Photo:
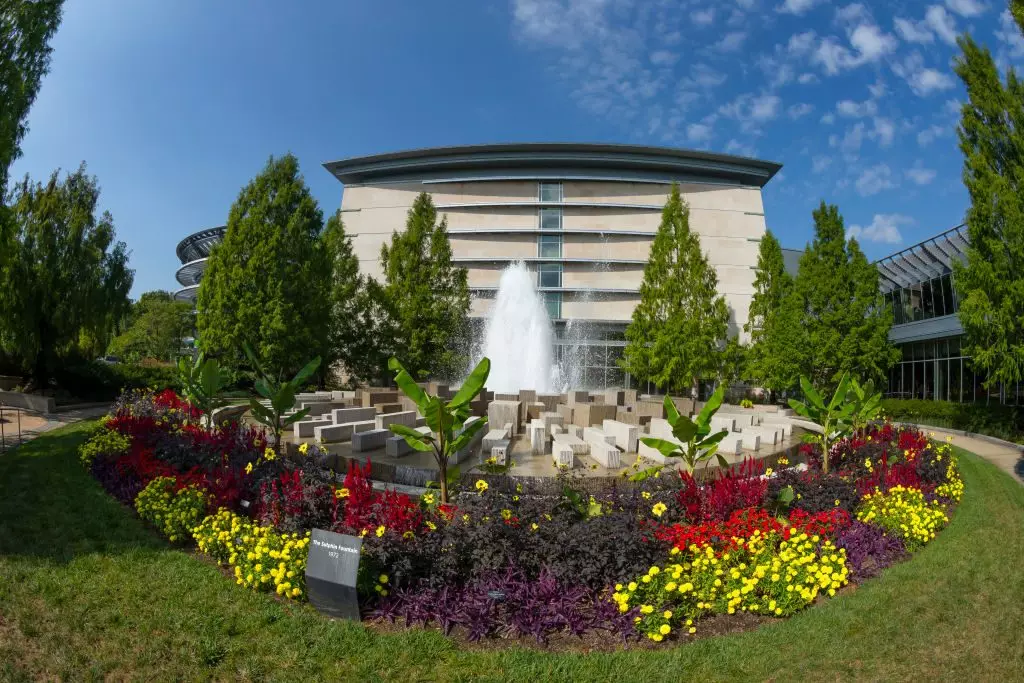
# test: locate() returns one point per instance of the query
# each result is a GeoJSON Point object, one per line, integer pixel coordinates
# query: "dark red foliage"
{"type": "Point", "coordinates": [368, 509]}
{"type": "Point", "coordinates": [734, 489]}
{"type": "Point", "coordinates": [828, 523]}
{"type": "Point", "coordinates": [168, 400]}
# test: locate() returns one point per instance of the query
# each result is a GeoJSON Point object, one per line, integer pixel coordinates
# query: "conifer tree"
{"type": "Point", "coordinates": [268, 282]}
{"type": "Point", "coordinates": [679, 328]}
{"type": "Point", "coordinates": [774, 322]}
{"type": "Point", "coordinates": [990, 284]}
{"type": "Point", "coordinates": [845, 319]}
{"type": "Point", "coordinates": [425, 295]}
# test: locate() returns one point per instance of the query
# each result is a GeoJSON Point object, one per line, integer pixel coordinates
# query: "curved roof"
{"type": "Point", "coordinates": [554, 158]}
{"type": "Point", "coordinates": [198, 244]}
{"type": "Point", "coordinates": [926, 260]}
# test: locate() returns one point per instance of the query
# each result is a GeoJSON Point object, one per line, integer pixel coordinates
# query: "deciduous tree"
{"type": "Point", "coordinates": [157, 327]}
{"type": "Point", "coordinates": [679, 327]}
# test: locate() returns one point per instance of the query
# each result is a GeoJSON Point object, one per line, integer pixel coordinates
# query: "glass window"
{"type": "Point", "coordinates": [549, 246]}
{"type": "Point", "coordinates": [549, 275]}
{"type": "Point", "coordinates": [927, 304]}
{"type": "Point", "coordinates": [955, 374]}
{"type": "Point", "coordinates": [553, 302]}
{"type": "Point", "coordinates": [947, 294]}
{"type": "Point", "coordinates": [954, 347]}
{"type": "Point", "coordinates": [940, 306]}
{"type": "Point", "coordinates": [915, 302]}
{"type": "Point", "coordinates": [550, 192]}
{"type": "Point", "coordinates": [551, 219]}
{"type": "Point", "coordinates": [897, 307]}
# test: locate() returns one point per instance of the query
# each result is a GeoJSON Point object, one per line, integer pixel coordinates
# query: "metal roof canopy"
{"type": "Point", "coordinates": [547, 155]}
{"type": "Point", "coordinates": [197, 245]}
{"type": "Point", "coordinates": [923, 261]}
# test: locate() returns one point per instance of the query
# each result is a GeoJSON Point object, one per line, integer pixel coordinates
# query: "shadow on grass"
{"type": "Point", "coordinates": [51, 508]}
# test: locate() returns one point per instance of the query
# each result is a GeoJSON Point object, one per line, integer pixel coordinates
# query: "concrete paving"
{"type": "Point", "coordinates": [1008, 458]}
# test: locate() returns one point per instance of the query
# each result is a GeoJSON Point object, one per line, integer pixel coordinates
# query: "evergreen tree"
{"type": "Point", "coordinates": [774, 322]}
{"type": "Point", "coordinates": [268, 282]}
{"type": "Point", "coordinates": [425, 295]}
{"type": "Point", "coordinates": [845, 320]}
{"type": "Point", "coordinates": [990, 284]}
{"type": "Point", "coordinates": [679, 327]}
{"type": "Point", "coordinates": [357, 340]}
{"type": "Point", "coordinates": [66, 275]}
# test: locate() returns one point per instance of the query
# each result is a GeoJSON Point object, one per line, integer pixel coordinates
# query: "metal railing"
{"type": "Point", "coordinates": [5, 411]}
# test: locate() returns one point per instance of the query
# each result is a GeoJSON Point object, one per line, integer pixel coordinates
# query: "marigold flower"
{"type": "Point", "coordinates": [481, 485]}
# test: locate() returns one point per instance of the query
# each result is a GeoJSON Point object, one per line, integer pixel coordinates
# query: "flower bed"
{"type": "Point", "coordinates": [649, 559]}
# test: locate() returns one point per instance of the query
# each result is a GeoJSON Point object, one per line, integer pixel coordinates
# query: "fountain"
{"type": "Point", "coordinates": [518, 336]}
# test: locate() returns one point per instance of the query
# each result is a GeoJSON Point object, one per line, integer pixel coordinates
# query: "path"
{"type": "Point", "coordinates": [34, 424]}
{"type": "Point", "coordinates": [1009, 459]}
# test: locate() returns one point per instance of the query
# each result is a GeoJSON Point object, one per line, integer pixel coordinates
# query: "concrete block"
{"type": "Point", "coordinates": [574, 397]}
{"type": "Point", "coordinates": [370, 440]}
{"type": "Point", "coordinates": [566, 411]}
{"type": "Point", "coordinates": [732, 444]}
{"type": "Point", "coordinates": [744, 420]}
{"type": "Point", "coordinates": [685, 406]}
{"type": "Point", "coordinates": [720, 422]}
{"type": "Point", "coordinates": [504, 412]}
{"type": "Point", "coordinates": [751, 442]}
{"type": "Point", "coordinates": [494, 437]}
{"type": "Point", "coordinates": [551, 418]}
{"type": "Point", "coordinates": [342, 415]}
{"type": "Point", "coordinates": [338, 396]}
{"type": "Point", "coordinates": [385, 408]}
{"type": "Point", "coordinates": [304, 429]}
{"type": "Point", "coordinates": [500, 453]}
{"type": "Point", "coordinates": [506, 397]}
{"type": "Point", "coordinates": [564, 455]}
{"type": "Point", "coordinates": [605, 455]}
{"type": "Point", "coordinates": [439, 389]}
{"type": "Point", "coordinates": [470, 447]}
{"type": "Point", "coordinates": [405, 417]}
{"type": "Point", "coordinates": [397, 446]}
{"type": "Point", "coordinates": [615, 397]}
{"type": "Point", "coordinates": [629, 397]}
{"type": "Point", "coordinates": [575, 430]}
{"type": "Point", "coordinates": [556, 429]}
{"type": "Point", "coordinates": [538, 437]}
{"type": "Point", "coordinates": [649, 408]}
{"type": "Point", "coordinates": [579, 446]}
{"type": "Point", "coordinates": [533, 410]}
{"type": "Point", "coordinates": [372, 397]}
{"type": "Point", "coordinates": [592, 414]}
{"type": "Point", "coordinates": [596, 435]}
{"type": "Point", "coordinates": [660, 428]}
{"type": "Point", "coordinates": [341, 432]}
{"type": "Point", "coordinates": [767, 435]}
{"type": "Point", "coordinates": [625, 436]}
{"type": "Point", "coordinates": [550, 401]}
{"type": "Point", "coordinates": [528, 396]}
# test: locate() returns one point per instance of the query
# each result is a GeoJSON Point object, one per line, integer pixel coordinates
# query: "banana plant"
{"type": "Point", "coordinates": [867, 405]}
{"type": "Point", "coordinates": [280, 396]}
{"type": "Point", "coordinates": [833, 417]}
{"type": "Point", "coordinates": [698, 443]}
{"type": "Point", "coordinates": [201, 382]}
{"type": "Point", "coordinates": [449, 432]}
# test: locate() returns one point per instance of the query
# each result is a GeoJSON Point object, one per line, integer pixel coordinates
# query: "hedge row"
{"type": "Point", "coordinates": [1002, 422]}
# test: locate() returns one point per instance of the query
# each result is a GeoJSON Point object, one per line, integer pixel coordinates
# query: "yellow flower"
{"type": "Point", "coordinates": [380, 531]}
{"type": "Point", "coordinates": [248, 468]}
{"type": "Point", "coordinates": [408, 535]}
{"type": "Point", "coordinates": [659, 509]}
{"type": "Point", "coordinates": [534, 526]}
{"type": "Point", "coordinates": [431, 525]}
{"type": "Point", "coordinates": [342, 493]}
{"type": "Point", "coordinates": [428, 498]}
{"type": "Point", "coordinates": [481, 485]}
{"type": "Point", "coordinates": [665, 628]}
{"type": "Point", "coordinates": [646, 495]}
{"type": "Point", "coordinates": [383, 578]}
{"type": "Point", "coordinates": [768, 472]}
{"type": "Point", "coordinates": [867, 463]}
{"type": "Point", "coordinates": [304, 448]}
{"type": "Point", "coordinates": [837, 502]}
{"type": "Point", "coordinates": [269, 454]}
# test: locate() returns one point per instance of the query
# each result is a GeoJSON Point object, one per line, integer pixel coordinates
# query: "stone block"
{"type": "Point", "coordinates": [556, 429]}
{"type": "Point", "coordinates": [405, 417]}
{"type": "Point", "coordinates": [500, 453]}
{"type": "Point", "coordinates": [629, 397]}
{"type": "Point", "coordinates": [338, 396]}
{"type": "Point", "coordinates": [341, 432]}
{"type": "Point", "coordinates": [751, 441]}
{"type": "Point", "coordinates": [478, 407]}
{"type": "Point", "coordinates": [506, 397]}
{"type": "Point", "coordinates": [592, 414]}
{"type": "Point", "coordinates": [397, 446]}
{"type": "Point", "coordinates": [384, 408]}
{"type": "Point", "coordinates": [625, 436]}
{"type": "Point", "coordinates": [439, 389]}
{"type": "Point", "coordinates": [660, 428]}
{"type": "Point", "coordinates": [744, 420]}
{"type": "Point", "coordinates": [649, 408]}
{"type": "Point", "coordinates": [685, 406]}
{"type": "Point", "coordinates": [615, 397]}
{"type": "Point", "coordinates": [605, 455]}
{"type": "Point", "coordinates": [566, 411]}
{"type": "Point", "coordinates": [597, 435]}
{"type": "Point", "coordinates": [538, 438]}
{"type": "Point", "coordinates": [563, 455]}
{"type": "Point", "coordinates": [720, 422]}
{"type": "Point", "coordinates": [731, 444]}
{"type": "Point", "coordinates": [579, 446]}
{"type": "Point", "coordinates": [493, 438]}
{"type": "Point", "coordinates": [533, 410]}
{"type": "Point", "coordinates": [504, 412]}
{"type": "Point", "coordinates": [304, 429]}
{"type": "Point", "coordinates": [370, 440]}
{"type": "Point", "coordinates": [767, 435]}
{"type": "Point", "coordinates": [551, 418]}
{"type": "Point", "coordinates": [550, 401]}
{"type": "Point", "coordinates": [574, 397]}
{"type": "Point", "coordinates": [528, 396]}
{"type": "Point", "coordinates": [316, 408]}
{"type": "Point", "coordinates": [575, 430]}
{"type": "Point", "coordinates": [463, 453]}
{"type": "Point", "coordinates": [343, 415]}
{"type": "Point", "coordinates": [372, 397]}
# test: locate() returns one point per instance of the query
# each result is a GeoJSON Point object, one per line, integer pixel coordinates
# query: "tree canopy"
{"type": "Point", "coordinates": [156, 327]}
{"type": "Point", "coordinates": [426, 297]}
{"type": "Point", "coordinates": [66, 275]}
{"type": "Point", "coordinates": [774, 323]}
{"type": "Point", "coordinates": [268, 282]}
{"type": "Point", "coordinates": [679, 328]}
{"type": "Point", "coordinates": [990, 284]}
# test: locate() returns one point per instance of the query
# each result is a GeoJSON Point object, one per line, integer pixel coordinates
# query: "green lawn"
{"type": "Point", "coordinates": [87, 592]}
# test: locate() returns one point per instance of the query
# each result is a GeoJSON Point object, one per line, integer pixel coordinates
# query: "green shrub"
{"type": "Point", "coordinates": [174, 513]}
{"type": "Point", "coordinates": [79, 380]}
{"type": "Point", "coordinates": [106, 443]}
{"type": "Point", "coordinates": [1002, 422]}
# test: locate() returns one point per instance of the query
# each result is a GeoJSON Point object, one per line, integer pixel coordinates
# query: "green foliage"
{"type": "Point", "coordinates": [80, 379]}
{"type": "Point", "coordinates": [777, 343]}
{"type": "Point", "coordinates": [26, 27]}
{"type": "Point", "coordinates": [280, 396]}
{"type": "Point", "coordinates": [356, 333]}
{"type": "Point", "coordinates": [202, 383]}
{"type": "Point", "coordinates": [66, 274]}
{"type": "Point", "coordinates": [845, 322]}
{"type": "Point", "coordinates": [698, 443]}
{"type": "Point", "coordinates": [990, 284]}
{"type": "Point", "coordinates": [1002, 422]}
{"type": "Point", "coordinates": [105, 443]}
{"type": "Point", "coordinates": [425, 295]}
{"type": "Point", "coordinates": [833, 417]}
{"type": "Point", "coordinates": [746, 403]}
{"type": "Point", "coordinates": [268, 283]}
{"type": "Point", "coordinates": [174, 512]}
{"type": "Point", "coordinates": [157, 327]}
{"type": "Point", "coordinates": [679, 327]}
{"type": "Point", "coordinates": [867, 405]}
{"type": "Point", "coordinates": [449, 432]}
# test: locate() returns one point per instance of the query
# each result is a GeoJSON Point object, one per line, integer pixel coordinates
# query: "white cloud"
{"type": "Point", "coordinates": [795, 6]}
{"type": "Point", "coordinates": [741, 148]}
{"type": "Point", "coordinates": [884, 228]}
{"type": "Point", "coordinates": [1010, 36]}
{"type": "Point", "coordinates": [801, 43]}
{"type": "Point", "coordinates": [704, 76]}
{"type": "Point", "coordinates": [874, 180]}
{"type": "Point", "coordinates": [849, 144]}
{"type": "Point", "coordinates": [807, 78]}
{"type": "Point", "coordinates": [751, 110]}
{"type": "Point", "coordinates": [941, 23]}
{"type": "Point", "coordinates": [698, 132]}
{"type": "Point", "coordinates": [878, 89]}
{"type": "Point", "coordinates": [746, 4]}
{"type": "Point", "coordinates": [764, 107]}
{"type": "Point", "coordinates": [932, 133]}
{"type": "Point", "coordinates": [854, 13]}
{"type": "Point", "coordinates": [919, 174]}
{"type": "Point", "coordinates": [828, 119]}
{"type": "Point", "coordinates": [966, 8]}
{"type": "Point", "coordinates": [819, 163]}
{"type": "Point", "coordinates": [852, 109]}
{"type": "Point", "coordinates": [913, 31]}
{"type": "Point", "coordinates": [872, 43]}
{"type": "Point", "coordinates": [884, 132]}
{"type": "Point", "coordinates": [663, 58]}
{"type": "Point", "coordinates": [703, 17]}
{"type": "Point", "coordinates": [732, 41]}
{"type": "Point", "coordinates": [832, 56]}
{"type": "Point", "coordinates": [797, 111]}
{"type": "Point", "coordinates": [952, 107]}
{"type": "Point", "coordinates": [922, 80]}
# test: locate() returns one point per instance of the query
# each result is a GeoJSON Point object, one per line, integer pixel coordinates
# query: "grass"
{"type": "Point", "coordinates": [87, 592]}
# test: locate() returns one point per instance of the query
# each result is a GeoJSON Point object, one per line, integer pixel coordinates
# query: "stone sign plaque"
{"type": "Point", "coordinates": [331, 572]}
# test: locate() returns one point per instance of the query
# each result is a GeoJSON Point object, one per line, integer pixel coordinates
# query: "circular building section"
{"type": "Point", "coordinates": [193, 252]}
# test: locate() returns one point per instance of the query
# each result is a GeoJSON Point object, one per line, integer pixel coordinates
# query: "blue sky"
{"type": "Point", "coordinates": [176, 105]}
